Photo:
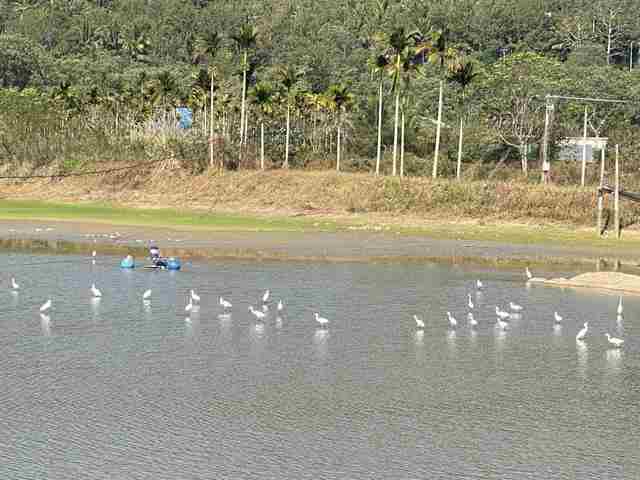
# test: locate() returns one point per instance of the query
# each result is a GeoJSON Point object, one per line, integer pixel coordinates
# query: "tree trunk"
{"type": "Point", "coordinates": [402, 146]}
{"type": "Point", "coordinates": [262, 145]}
{"type": "Point", "coordinates": [338, 151]}
{"type": "Point", "coordinates": [523, 158]}
{"type": "Point", "coordinates": [395, 130]}
{"type": "Point", "coordinates": [379, 152]}
{"type": "Point", "coordinates": [244, 93]}
{"type": "Point", "coordinates": [211, 128]}
{"type": "Point", "coordinates": [609, 33]}
{"type": "Point", "coordinates": [286, 148]}
{"type": "Point", "coordinates": [434, 173]}
{"type": "Point", "coordinates": [459, 165]}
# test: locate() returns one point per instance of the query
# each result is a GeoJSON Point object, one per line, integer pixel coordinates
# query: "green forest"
{"type": "Point", "coordinates": [447, 88]}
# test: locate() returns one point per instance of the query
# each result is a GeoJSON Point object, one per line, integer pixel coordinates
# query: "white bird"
{"type": "Point", "coordinates": [452, 321]}
{"type": "Point", "coordinates": [583, 332]}
{"type": "Point", "coordinates": [529, 274]}
{"type": "Point", "coordinates": [265, 296]}
{"type": "Point", "coordinates": [620, 309]}
{"type": "Point", "coordinates": [146, 295]}
{"type": "Point", "coordinates": [419, 322]}
{"type": "Point", "coordinates": [470, 302]}
{"type": "Point", "coordinates": [94, 253]}
{"type": "Point", "coordinates": [321, 320]}
{"type": "Point", "coordinates": [502, 324]}
{"type": "Point", "coordinates": [502, 313]}
{"type": "Point", "coordinates": [280, 305]}
{"type": "Point", "coordinates": [479, 285]}
{"type": "Point", "coordinates": [194, 296]}
{"type": "Point", "coordinates": [189, 305]}
{"type": "Point", "coordinates": [46, 306]}
{"type": "Point", "coordinates": [14, 284]}
{"type": "Point", "coordinates": [95, 292]}
{"type": "Point", "coordinates": [265, 308]}
{"type": "Point", "coordinates": [616, 342]}
{"type": "Point", "coordinates": [257, 313]}
{"type": "Point", "coordinates": [515, 307]}
{"type": "Point", "coordinates": [557, 317]}
{"type": "Point", "coordinates": [225, 304]}
{"type": "Point", "coordinates": [472, 321]}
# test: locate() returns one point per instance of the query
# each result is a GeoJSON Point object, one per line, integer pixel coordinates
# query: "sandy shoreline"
{"type": "Point", "coordinates": [315, 246]}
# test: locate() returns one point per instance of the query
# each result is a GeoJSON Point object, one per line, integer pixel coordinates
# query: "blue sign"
{"type": "Point", "coordinates": [185, 116]}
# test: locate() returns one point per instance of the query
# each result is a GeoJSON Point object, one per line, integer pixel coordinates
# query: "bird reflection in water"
{"type": "Point", "coordinates": [45, 324]}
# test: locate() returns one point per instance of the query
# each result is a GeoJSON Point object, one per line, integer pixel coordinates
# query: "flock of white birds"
{"type": "Point", "coordinates": [502, 316]}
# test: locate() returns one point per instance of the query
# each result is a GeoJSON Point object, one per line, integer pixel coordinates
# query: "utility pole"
{"type": "Point", "coordinates": [631, 57]}
{"type": "Point", "coordinates": [616, 196]}
{"type": "Point", "coordinates": [545, 139]}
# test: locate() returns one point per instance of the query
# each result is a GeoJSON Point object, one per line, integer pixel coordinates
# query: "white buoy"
{"type": "Point", "coordinates": [15, 285]}
{"type": "Point", "coordinates": [257, 313]}
{"type": "Point", "coordinates": [613, 341]}
{"type": "Point", "coordinates": [452, 321]}
{"type": "Point", "coordinates": [419, 322]}
{"type": "Point", "coordinates": [95, 292]}
{"type": "Point", "coordinates": [583, 332]}
{"type": "Point", "coordinates": [46, 306]}
{"type": "Point", "coordinates": [321, 320]}
{"type": "Point", "coordinates": [515, 307]}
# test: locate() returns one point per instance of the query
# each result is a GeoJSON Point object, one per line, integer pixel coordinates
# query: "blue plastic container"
{"type": "Point", "coordinates": [128, 262]}
{"type": "Point", "coordinates": [173, 264]}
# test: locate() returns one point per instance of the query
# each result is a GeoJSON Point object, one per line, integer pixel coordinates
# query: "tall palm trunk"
{"type": "Point", "coordinates": [434, 173]}
{"type": "Point", "coordinates": [395, 131]}
{"type": "Point", "coordinates": [211, 127]}
{"type": "Point", "coordinates": [338, 151]}
{"type": "Point", "coordinates": [244, 94]}
{"type": "Point", "coordinates": [262, 145]}
{"type": "Point", "coordinates": [286, 149]}
{"type": "Point", "coordinates": [402, 146]}
{"type": "Point", "coordinates": [379, 152]}
{"type": "Point", "coordinates": [459, 165]}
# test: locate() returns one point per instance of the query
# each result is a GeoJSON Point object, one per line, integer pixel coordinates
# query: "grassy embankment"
{"type": "Point", "coordinates": [294, 201]}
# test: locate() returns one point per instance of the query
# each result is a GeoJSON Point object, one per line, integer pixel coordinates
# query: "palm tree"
{"type": "Point", "coordinates": [461, 73]}
{"type": "Point", "coordinates": [263, 95]}
{"type": "Point", "coordinates": [439, 54]}
{"type": "Point", "coordinates": [400, 43]}
{"type": "Point", "coordinates": [342, 100]}
{"type": "Point", "coordinates": [289, 78]}
{"type": "Point", "coordinates": [245, 40]}
{"type": "Point", "coordinates": [379, 65]}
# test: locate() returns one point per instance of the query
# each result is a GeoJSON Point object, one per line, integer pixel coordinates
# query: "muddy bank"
{"type": "Point", "coordinates": [614, 281]}
{"type": "Point", "coordinates": [74, 237]}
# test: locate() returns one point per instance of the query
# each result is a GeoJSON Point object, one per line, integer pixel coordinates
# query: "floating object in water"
{"type": "Point", "coordinates": [557, 317]}
{"type": "Point", "coordinates": [515, 307]}
{"type": "Point", "coordinates": [173, 264]}
{"type": "Point", "coordinates": [452, 321]}
{"type": "Point", "coordinates": [127, 262]}
{"type": "Point", "coordinates": [615, 342]}
{"type": "Point", "coordinates": [46, 306]}
{"type": "Point", "coordinates": [583, 332]}
{"type": "Point", "coordinates": [321, 320]}
{"type": "Point", "coordinates": [95, 292]}
{"type": "Point", "coordinates": [14, 284]}
{"type": "Point", "coordinates": [419, 321]}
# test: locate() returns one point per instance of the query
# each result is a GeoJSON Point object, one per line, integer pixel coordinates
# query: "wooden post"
{"type": "Point", "coordinates": [617, 193]}
{"type": "Point", "coordinates": [600, 193]}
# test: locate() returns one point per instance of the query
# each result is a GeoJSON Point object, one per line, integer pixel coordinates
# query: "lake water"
{"type": "Point", "coordinates": [114, 389]}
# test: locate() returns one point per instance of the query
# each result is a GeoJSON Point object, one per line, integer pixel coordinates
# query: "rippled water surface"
{"type": "Point", "coordinates": [114, 389]}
